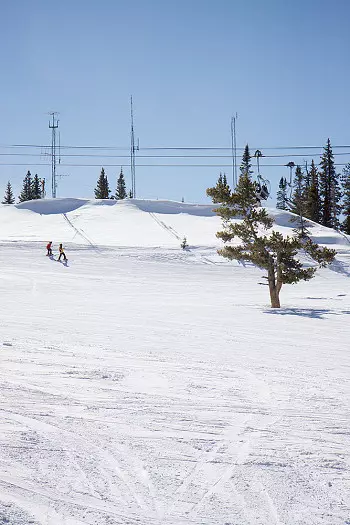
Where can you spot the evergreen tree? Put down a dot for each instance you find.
(8, 197)
(102, 190)
(282, 199)
(121, 187)
(272, 252)
(27, 190)
(36, 188)
(222, 187)
(329, 189)
(297, 201)
(312, 202)
(346, 199)
(246, 165)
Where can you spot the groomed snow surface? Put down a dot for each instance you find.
(143, 384)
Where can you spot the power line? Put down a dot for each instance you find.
(178, 148)
(95, 155)
(151, 165)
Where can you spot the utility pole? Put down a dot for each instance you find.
(133, 150)
(53, 126)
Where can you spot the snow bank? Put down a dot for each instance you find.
(131, 222)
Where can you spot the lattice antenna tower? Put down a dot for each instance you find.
(53, 126)
(234, 150)
(133, 149)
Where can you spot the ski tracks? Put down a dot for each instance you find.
(79, 479)
(166, 227)
(79, 231)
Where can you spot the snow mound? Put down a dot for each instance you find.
(51, 206)
(133, 222)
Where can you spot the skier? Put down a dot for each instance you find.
(49, 249)
(61, 250)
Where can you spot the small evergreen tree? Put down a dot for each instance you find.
(246, 165)
(222, 187)
(8, 197)
(312, 203)
(272, 252)
(27, 190)
(121, 187)
(282, 199)
(102, 190)
(36, 188)
(346, 199)
(329, 189)
(184, 244)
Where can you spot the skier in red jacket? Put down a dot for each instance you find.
(49, 249)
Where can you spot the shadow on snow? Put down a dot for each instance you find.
(316, 313)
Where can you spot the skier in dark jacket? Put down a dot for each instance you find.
(49, 249)
(61, 250)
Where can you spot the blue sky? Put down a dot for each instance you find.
(283, 66)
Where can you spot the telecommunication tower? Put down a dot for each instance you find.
(234, 150)
(133, 149)
(53, 126)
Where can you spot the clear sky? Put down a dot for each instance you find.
(283, 66)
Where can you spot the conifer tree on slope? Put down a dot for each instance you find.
(282, 198)
(312, 202)
(102, 190)
(121, 187)
(27, 190)
(330, 193)
(346, 199)
(8, 197)
(272, 252)
(297, 201)
(36, 188)
(246, 165)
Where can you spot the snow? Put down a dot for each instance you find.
(144, 384)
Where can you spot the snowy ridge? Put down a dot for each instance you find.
(132, 222)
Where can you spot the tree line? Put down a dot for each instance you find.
(319, 193)
(34, 188)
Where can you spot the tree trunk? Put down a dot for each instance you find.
(274, 289)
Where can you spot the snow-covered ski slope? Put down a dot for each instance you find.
(143, 384)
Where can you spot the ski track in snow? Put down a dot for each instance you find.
(142, 388)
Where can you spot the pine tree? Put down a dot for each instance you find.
(312, 202)
(102, 190)
(222, 187)
(329, 189)
(36, 188)
(272, 252)
(184, 244)
(121, 187)
(297, 201)
(246, 165)
(282, 198)
(346, 199)
(27, 190)
(8, 197)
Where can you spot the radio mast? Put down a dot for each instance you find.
(53, 126)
